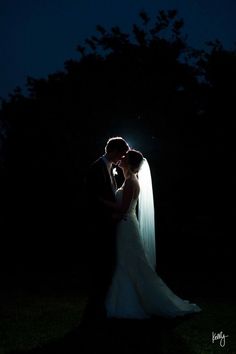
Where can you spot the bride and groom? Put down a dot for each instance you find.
(124, 283)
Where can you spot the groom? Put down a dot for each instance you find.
(101, 185)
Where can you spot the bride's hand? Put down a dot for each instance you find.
(118, 216)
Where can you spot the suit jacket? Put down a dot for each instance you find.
(99, 186)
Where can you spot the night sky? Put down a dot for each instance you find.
(36, 37)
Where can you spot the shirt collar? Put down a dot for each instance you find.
(108, 163)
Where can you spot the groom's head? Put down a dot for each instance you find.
(115, 148)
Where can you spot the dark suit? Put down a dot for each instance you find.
(101, 236)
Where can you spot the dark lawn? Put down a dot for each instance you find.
(47, 319)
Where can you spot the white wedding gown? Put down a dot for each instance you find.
(136, 290)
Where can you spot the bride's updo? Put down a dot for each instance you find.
(135, 159)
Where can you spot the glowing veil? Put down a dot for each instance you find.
(146, 214)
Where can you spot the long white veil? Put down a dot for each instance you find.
(146, 214)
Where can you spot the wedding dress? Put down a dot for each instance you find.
(136, 290)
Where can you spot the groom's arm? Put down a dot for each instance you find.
(98, 185)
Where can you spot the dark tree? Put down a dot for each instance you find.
(149, 84)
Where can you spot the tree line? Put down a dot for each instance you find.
(176, 102)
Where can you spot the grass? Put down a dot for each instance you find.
(195, 334)
(32, 320)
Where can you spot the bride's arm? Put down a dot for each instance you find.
(109, 204)
(116, 214)
(123, 206)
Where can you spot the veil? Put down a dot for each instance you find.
(146, 214)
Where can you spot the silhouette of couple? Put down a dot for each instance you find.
(123, 279)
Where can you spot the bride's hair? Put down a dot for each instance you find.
(135, 160)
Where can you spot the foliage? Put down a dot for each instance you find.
(150, 84)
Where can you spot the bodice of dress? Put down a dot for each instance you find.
(133, 204)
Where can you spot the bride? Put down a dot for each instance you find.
(136, 290)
